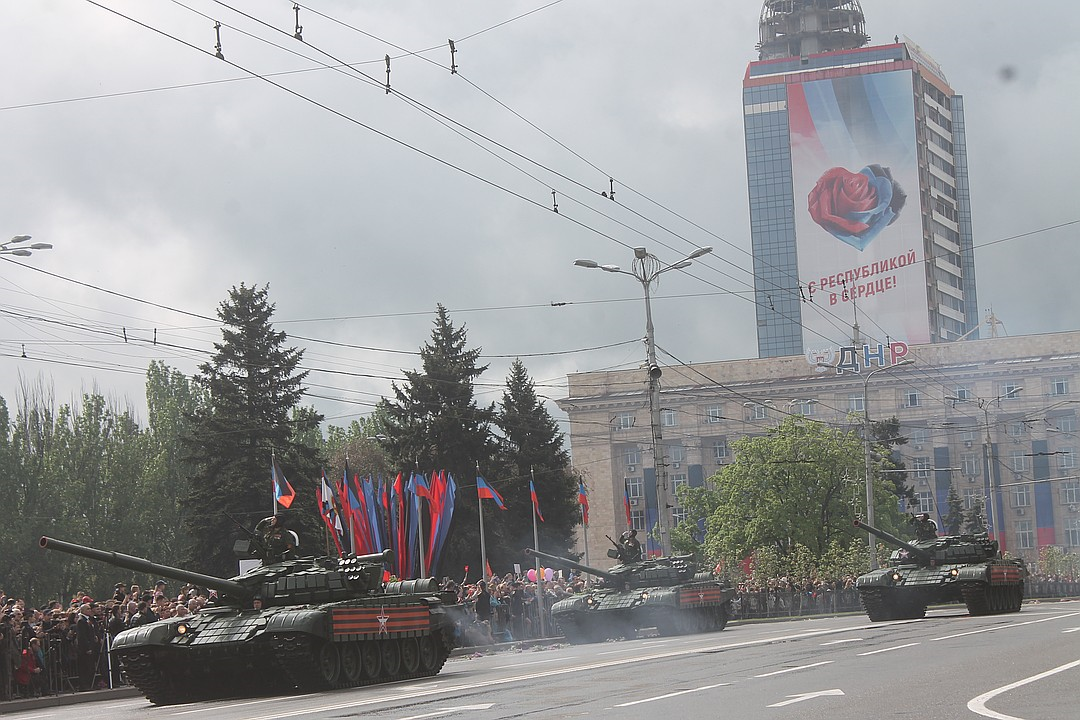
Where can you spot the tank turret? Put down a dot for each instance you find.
(947, 568)
(302, 624)
(663, 593)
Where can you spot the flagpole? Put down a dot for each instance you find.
(536, 560)
(273, 490)
(420, 526)
(483, 541)
(585, 532)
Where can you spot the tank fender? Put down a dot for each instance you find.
(299, 620)
(150, 635)
(973, 573)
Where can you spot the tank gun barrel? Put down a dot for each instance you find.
(892, 539)
(386, 556)
(137, 564)
(566, 562)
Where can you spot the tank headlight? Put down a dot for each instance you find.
(895, 577)
(954, 572)
(645, 596)
(181, 629)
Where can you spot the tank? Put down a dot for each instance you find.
(665, 593)
(323, 623)
(950, 568)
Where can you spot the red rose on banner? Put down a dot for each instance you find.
(855, 206)
(838, 194)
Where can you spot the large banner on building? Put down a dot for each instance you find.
(858, 222)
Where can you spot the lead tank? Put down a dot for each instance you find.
(324, 623)
(950, 568)
(665, 593)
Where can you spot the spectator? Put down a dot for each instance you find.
(27, 676)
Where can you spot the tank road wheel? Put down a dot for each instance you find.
(328, 663)
(722, 614)
(351, 667)
(428, 653)
(370, 660)
(410, 656)
(390, 652)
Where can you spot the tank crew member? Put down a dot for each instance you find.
(630, 546)
(277, 540)
(925, 528)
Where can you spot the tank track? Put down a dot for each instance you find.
(298, 658)
(882, 604)
(144, 673)
(983, 599)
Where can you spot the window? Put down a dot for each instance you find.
(635, 489)
(1010, 390)
(678, 482)
(1072, 531)
(921, 465)
(623, 420)
(676, 453)
(1059, 386)
(805, 407)
(668, 418)
(1021, 496)
(856, 403)
(1066, 458)
(637, 520)
(1025, 536)
(1018, 461)
(911, 399)
(1066, 423)
(968, 438)
(968, 498)
(1015, 430)
(1070, 492)
(633, 456)
(679, 516)
(757, 411)
(962, 393)
(926, 502)
(920, 437)
(720, 451)
(969, 463)
(714, 414)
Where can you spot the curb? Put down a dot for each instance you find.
(46, 701)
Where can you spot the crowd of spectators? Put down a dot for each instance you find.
(62, 647)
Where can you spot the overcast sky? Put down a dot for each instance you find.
(164, 176)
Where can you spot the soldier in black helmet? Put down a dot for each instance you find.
(631, 548)
(925, 528)
(277, 540)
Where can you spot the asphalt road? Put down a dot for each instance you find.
(949, 665)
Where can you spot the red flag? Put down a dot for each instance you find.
(535, 502)
(626, 505)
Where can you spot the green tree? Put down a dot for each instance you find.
(434, 423)
(797, 485)
(954, 518)
(253, 386)
(531, 446)
(974, 520)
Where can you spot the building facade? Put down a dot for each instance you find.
(858, 186)
(995, 418)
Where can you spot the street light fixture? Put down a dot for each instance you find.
(647, 268)
(21, 250)
(867, 454)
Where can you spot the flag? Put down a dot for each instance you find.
(483, 490)
(328, 511)
(583, 501)
(535, 501)
(283, 491)
(626, 504)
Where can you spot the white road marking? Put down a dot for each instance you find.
(1002, 627)
(224, 706)
(449, 711)
(978, 704)
(793, 669)
(807, 696)
(535, 662)
(837, 642)
(888, 649)
(671, 695)
(1071, 630)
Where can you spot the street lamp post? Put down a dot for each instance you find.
(868, 455)
(14, 246)
(646, 269)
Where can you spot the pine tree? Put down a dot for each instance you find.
(955, 517)
(253, 387)
(434, 423)
(531, 447)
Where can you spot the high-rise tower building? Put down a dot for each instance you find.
(859, 204)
